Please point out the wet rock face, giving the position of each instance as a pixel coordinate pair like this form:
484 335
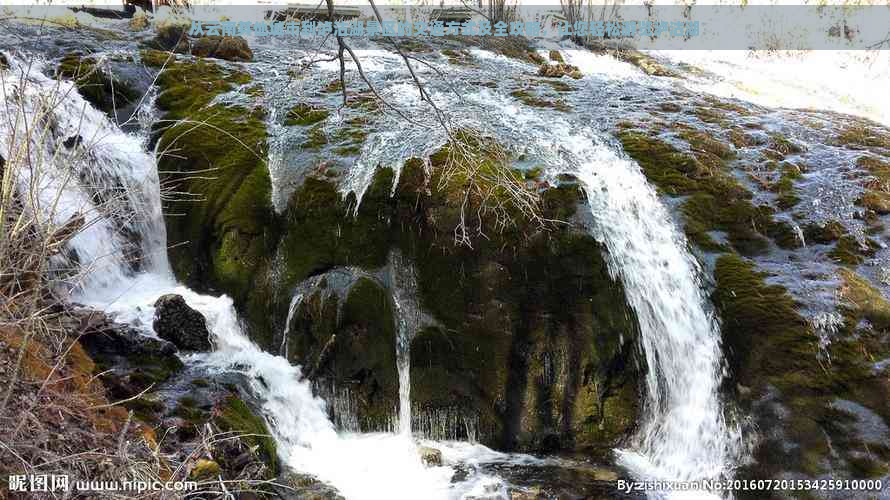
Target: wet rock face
100 88
230 48
180 324
529 341
534 337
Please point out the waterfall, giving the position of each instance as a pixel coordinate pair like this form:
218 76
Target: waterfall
295 302
684 435
404 289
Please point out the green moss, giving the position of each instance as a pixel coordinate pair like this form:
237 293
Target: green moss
322 233
153 370
771 348
100 89
863 135
558 85
458 57
717 202
848 250
305 114
315 138
704 143
782 147
784 187
527 97
741 139
710 115
187 411
646 63
727 106
235 416
220 225
864 301
744 223
145 409
828 232
155 58
672 171
879 169
559 70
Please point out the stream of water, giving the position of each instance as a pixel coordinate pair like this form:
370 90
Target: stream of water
119 263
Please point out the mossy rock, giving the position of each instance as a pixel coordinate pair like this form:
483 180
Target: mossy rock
861 134
826 233
233 415
458 57
850 251
646 63
98 87
773 351
351 346
863 300
718 202
559 70
529 98
230 48
155 58
221 224
305 114
542 272
877 201
784 147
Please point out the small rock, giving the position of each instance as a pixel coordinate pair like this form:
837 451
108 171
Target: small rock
230 48
101 336
139 21
559 70
177 322
430 457
171 36
205 469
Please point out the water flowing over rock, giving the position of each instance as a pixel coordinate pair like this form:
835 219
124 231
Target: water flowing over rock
698 291
177 322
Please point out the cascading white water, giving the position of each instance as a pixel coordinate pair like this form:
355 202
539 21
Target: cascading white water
75 156
684 435
359 466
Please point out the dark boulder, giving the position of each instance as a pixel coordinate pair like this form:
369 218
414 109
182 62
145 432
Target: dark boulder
177 322
130 362
171 37
230 48
102 337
